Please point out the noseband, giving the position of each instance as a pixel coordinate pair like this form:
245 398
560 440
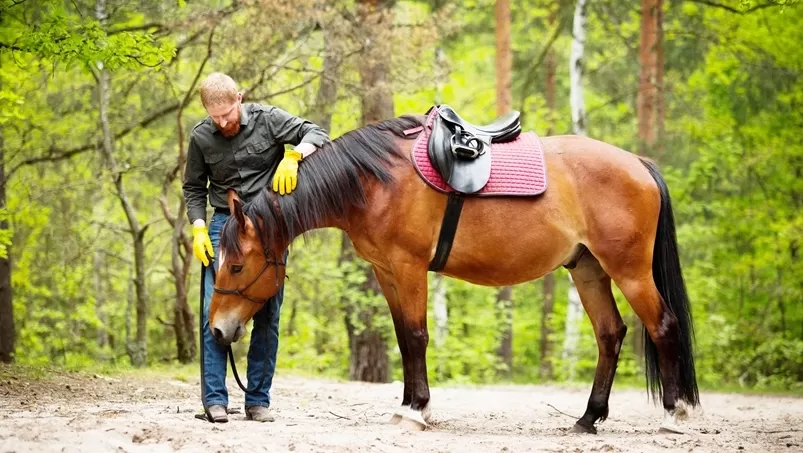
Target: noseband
241 292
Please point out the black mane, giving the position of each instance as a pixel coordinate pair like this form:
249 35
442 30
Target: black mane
329 184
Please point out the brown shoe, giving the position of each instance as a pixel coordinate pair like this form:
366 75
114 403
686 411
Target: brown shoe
258 414
219 413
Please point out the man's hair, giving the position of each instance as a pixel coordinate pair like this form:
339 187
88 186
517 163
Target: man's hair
218 89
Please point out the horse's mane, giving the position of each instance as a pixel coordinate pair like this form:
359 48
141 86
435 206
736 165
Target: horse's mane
329 183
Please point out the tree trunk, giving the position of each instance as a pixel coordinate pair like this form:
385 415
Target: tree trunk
504 101
181 243
504 58
649 111
547 373
368 359
327 90
138 351
649 100
7 331
377 95
441 314
504 307
100 300
577 101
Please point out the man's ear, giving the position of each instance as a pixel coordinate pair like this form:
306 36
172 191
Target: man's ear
236 209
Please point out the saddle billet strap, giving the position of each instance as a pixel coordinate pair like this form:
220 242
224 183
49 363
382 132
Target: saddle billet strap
451 217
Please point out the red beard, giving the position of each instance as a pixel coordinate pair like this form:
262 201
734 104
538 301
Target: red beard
230 130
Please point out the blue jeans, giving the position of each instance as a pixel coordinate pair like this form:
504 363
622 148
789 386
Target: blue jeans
264 341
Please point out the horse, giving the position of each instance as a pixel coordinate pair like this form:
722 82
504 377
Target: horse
607 217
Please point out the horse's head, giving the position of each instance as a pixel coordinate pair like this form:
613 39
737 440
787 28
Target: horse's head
249 273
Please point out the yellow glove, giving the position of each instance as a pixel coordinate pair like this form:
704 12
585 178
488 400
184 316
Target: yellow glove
201 244
286 177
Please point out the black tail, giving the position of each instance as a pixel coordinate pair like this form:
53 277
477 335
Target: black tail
669 280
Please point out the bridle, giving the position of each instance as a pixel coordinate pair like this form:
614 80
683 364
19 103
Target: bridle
269 259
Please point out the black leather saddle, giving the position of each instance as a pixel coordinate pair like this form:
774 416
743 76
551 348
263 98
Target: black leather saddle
461 151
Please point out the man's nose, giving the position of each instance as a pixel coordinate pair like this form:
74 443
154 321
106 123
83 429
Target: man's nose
223 123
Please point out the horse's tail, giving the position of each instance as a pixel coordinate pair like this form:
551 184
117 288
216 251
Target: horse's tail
669 280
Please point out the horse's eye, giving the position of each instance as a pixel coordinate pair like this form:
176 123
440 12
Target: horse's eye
236 268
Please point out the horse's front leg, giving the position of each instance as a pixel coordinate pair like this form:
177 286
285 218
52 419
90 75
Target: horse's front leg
408 305
387 284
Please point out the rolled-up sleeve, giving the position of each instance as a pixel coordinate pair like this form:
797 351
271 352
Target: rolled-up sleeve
291 129
195 182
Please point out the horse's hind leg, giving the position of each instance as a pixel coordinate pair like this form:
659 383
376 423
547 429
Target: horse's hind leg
663 356
594 287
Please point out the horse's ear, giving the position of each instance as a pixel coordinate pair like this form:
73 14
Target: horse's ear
236 208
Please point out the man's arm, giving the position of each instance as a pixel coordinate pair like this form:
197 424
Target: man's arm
194 187
305 135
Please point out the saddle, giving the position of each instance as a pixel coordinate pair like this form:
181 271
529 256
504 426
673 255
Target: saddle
461 151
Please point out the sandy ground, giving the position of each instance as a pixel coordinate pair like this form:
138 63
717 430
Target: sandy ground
155 413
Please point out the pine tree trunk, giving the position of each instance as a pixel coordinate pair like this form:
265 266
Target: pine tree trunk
504 102
649 101
504 307
547 373
368 358
327 90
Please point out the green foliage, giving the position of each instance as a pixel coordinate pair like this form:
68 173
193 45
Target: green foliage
732 155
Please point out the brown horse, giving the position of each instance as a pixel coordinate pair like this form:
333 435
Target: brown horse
606 216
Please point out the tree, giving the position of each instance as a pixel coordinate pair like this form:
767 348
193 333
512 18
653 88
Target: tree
548 304
650 99
579 126
504 101
369 358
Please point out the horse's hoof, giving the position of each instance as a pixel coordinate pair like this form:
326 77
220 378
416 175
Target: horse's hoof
671 419
671 427
413 421
580 429
426 413
399 414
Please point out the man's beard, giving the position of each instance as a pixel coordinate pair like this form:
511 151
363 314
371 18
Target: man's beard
231 129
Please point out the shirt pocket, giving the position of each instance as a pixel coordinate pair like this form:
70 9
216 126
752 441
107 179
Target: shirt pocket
214 160
258 155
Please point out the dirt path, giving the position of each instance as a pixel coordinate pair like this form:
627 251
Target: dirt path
155 414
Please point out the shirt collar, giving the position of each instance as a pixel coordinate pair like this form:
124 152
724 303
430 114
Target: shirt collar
244 115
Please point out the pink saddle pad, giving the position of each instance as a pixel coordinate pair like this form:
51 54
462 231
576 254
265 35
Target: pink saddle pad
517 167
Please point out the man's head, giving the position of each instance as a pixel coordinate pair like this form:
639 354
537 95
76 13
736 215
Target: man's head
221 100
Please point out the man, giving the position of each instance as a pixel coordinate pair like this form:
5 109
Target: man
239 145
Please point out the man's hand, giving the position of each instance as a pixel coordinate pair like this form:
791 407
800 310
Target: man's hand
286 177
201 244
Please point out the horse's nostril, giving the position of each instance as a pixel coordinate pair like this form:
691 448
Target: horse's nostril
217 333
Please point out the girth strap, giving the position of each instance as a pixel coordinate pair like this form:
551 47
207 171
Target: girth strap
451 216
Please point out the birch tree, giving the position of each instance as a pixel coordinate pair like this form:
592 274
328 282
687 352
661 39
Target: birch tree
576 68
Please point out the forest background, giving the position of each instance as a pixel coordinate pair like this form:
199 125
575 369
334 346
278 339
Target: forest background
99 98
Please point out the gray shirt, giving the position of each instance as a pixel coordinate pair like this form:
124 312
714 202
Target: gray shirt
245 161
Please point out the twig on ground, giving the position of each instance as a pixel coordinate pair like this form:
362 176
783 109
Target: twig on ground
561 412
339 416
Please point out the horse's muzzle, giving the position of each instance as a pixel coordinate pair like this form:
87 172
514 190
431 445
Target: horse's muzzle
227 332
